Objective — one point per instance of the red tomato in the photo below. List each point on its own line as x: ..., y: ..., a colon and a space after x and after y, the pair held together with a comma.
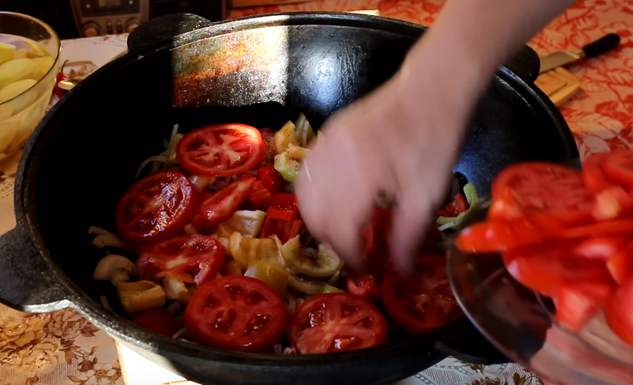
x: 611, y: 202
x: 224, y: 203
x: 618, y: 166
x: 619, y: 312
x: 271, y: 178
x: 501, y: 235
x: 155, y: 207
x: 425, y: 303
x: 545, y: 267
x: 199, y: 256
x: 158, y: 320
x: 601, y: 248
x: 593, y: 175
x: 221, y: 149
x: 579, y: 301
x: 456, y: 207
x: 605, y: 228
x: 336, y: 322
x: 543, y: 190
x: 366, y: 286
x: 620, y: 264
x: 236, y: 313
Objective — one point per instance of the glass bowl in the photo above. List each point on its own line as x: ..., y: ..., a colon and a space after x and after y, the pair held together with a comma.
x: 29, y: 61
x: 519, y: 323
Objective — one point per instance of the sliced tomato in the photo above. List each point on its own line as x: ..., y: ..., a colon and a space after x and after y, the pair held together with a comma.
x: 155, y: 207
x: 618, y: 312
x: 221, y: 149
x: 423, y: 303
x: 501, y: 235
x: 366, y: 286
x: 336, y: 322
x: 618, y: 167
x: 600, y: 248
x: 224, y: 203
x: 158, y: 320
x: 197, y: 257
x: 578, y: 302
x: 620, y: 264
x: 545, y: 267
x: 543, y: 190
x: 456, y: 207
x: 592, y: 174
x: 598, y: 229
x: 271, y: 178
x: 283, y: 207
x: 236, y: 313
x: 612, y: 202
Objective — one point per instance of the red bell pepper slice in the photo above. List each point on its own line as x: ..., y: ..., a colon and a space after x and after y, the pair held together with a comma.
x: 271, y: 179
x: 284, y: 230
x: 260, y: 198
x: 456, y: 207
x: 283, y: 207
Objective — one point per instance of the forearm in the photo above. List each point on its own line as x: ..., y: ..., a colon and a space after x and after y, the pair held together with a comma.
x: 472, y: 38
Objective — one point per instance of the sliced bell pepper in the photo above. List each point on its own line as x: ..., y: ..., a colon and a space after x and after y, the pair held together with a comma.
x: 287, y: 167
x: 456, y: 207
x: 261, y: 199
x: 271, y: 179
x: 283, y: 207
x: 284, y: 230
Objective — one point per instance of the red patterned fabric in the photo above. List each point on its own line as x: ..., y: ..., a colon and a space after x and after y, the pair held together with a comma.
x: 601, y: 114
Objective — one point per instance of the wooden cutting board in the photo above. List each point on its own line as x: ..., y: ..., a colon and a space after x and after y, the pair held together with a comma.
x: 559, y: 84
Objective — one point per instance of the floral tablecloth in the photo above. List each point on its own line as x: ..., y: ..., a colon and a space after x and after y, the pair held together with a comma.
x: 64, y: 348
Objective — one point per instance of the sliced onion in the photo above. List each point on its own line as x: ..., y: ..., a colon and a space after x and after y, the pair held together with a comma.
x: 106, y: 240
x: 100, y: 231
x: 156, y: 158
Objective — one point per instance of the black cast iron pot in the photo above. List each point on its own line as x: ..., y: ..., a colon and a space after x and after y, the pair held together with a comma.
x: 261, y: 71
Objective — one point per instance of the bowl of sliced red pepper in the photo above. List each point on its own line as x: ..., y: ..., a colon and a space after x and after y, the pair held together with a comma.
x: 545, y: 270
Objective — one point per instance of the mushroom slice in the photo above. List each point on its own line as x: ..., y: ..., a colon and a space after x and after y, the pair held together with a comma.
x: 322, y: 263
x: 306, y: 285
x: 140, y: 295
x: 114, y: 268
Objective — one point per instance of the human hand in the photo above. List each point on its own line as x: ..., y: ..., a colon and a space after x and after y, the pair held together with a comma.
x: 400, y: 141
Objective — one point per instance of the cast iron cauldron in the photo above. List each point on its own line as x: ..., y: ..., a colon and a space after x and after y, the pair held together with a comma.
x: 262, y: 71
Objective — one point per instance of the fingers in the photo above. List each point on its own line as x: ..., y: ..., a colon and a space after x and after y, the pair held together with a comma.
x: 335, y: 196
x: 410, y: 221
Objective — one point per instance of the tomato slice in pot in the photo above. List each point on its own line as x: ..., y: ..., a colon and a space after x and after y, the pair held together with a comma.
x: 336, y: 322
x: 221, y: 149
x: 198, y: 256
x: 614, y: 227
x: 366, y: 286
x: 618, y: 167
x: 612, y: 202
x: 224, y: 203
x: 456, y: 207
x: 620, y: 264
x: 540, y: 189
x: 600, y: 248
x: 158, y: 320
x: 425, y: 302
x: 155, y: 207
x: 236, y: 313
x: 544, y: 268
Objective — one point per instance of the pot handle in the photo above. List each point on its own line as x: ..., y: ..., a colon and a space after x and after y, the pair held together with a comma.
x: 26, y: 283
x: 526, y: 64
x: 463, y: 341
x: 164, y: 28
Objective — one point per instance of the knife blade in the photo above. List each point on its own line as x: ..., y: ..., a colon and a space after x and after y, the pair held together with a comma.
x: 561, y: 58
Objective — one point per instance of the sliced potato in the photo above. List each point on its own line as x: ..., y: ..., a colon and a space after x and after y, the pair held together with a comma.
x: 140, y: 295
x: 6, y: 52
x: 16, y: 70
x: 43, y: 64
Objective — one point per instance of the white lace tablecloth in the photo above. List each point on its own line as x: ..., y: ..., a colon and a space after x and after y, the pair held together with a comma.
x: 63, y: 348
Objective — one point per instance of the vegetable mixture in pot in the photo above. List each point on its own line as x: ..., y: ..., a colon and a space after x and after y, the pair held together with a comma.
x: 211, y: 248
